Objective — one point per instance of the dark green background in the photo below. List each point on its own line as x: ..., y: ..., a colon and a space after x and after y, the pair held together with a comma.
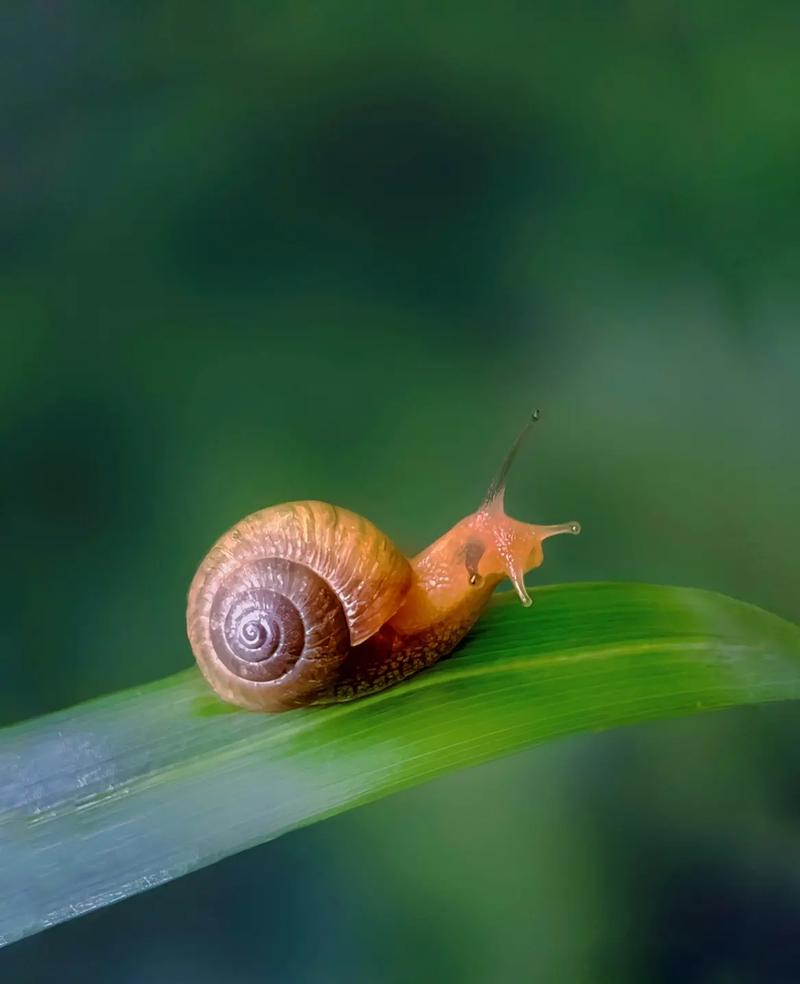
x: 255, y: 252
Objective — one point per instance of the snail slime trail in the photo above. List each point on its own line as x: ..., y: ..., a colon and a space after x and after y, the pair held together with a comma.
x: 308, y: 603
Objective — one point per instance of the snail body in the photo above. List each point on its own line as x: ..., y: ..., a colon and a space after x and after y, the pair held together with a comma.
x: 308, y: 603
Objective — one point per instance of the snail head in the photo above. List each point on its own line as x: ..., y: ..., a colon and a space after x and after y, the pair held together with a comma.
x: 498, y: 546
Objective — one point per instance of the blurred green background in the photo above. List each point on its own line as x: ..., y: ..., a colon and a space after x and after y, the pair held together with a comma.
x: 253, y: 253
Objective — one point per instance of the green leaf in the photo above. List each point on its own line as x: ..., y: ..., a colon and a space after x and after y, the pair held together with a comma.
x: 126, y: 792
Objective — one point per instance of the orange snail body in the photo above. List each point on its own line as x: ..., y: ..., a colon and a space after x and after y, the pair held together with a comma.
x: 308, y: 603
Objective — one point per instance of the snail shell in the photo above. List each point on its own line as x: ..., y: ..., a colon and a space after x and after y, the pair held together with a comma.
x: 284, y: 595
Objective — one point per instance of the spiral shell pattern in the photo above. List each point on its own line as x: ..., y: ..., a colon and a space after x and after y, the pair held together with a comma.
x: 281, y: 598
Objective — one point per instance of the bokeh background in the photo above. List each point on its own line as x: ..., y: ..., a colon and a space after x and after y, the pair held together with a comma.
x: 256, y: 252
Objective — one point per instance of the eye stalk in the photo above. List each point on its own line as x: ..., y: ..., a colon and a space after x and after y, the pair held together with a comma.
x: 497, y: 490
x: 502, y: 545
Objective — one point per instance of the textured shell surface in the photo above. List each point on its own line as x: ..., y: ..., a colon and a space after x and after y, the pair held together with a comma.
x: 370, y: 576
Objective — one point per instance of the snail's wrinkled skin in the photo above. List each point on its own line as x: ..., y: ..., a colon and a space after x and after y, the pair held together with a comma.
x: 308, y: 603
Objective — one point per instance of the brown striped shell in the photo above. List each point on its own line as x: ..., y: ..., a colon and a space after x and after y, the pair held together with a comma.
x: 282, y: 597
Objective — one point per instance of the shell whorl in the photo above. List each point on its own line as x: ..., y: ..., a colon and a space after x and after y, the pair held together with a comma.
x: 282, y: 597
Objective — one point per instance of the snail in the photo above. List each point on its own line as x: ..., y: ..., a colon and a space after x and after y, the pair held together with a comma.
x: 308, y: 603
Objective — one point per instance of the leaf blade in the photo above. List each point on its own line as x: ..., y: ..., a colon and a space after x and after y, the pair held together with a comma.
x: 122, y: 793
